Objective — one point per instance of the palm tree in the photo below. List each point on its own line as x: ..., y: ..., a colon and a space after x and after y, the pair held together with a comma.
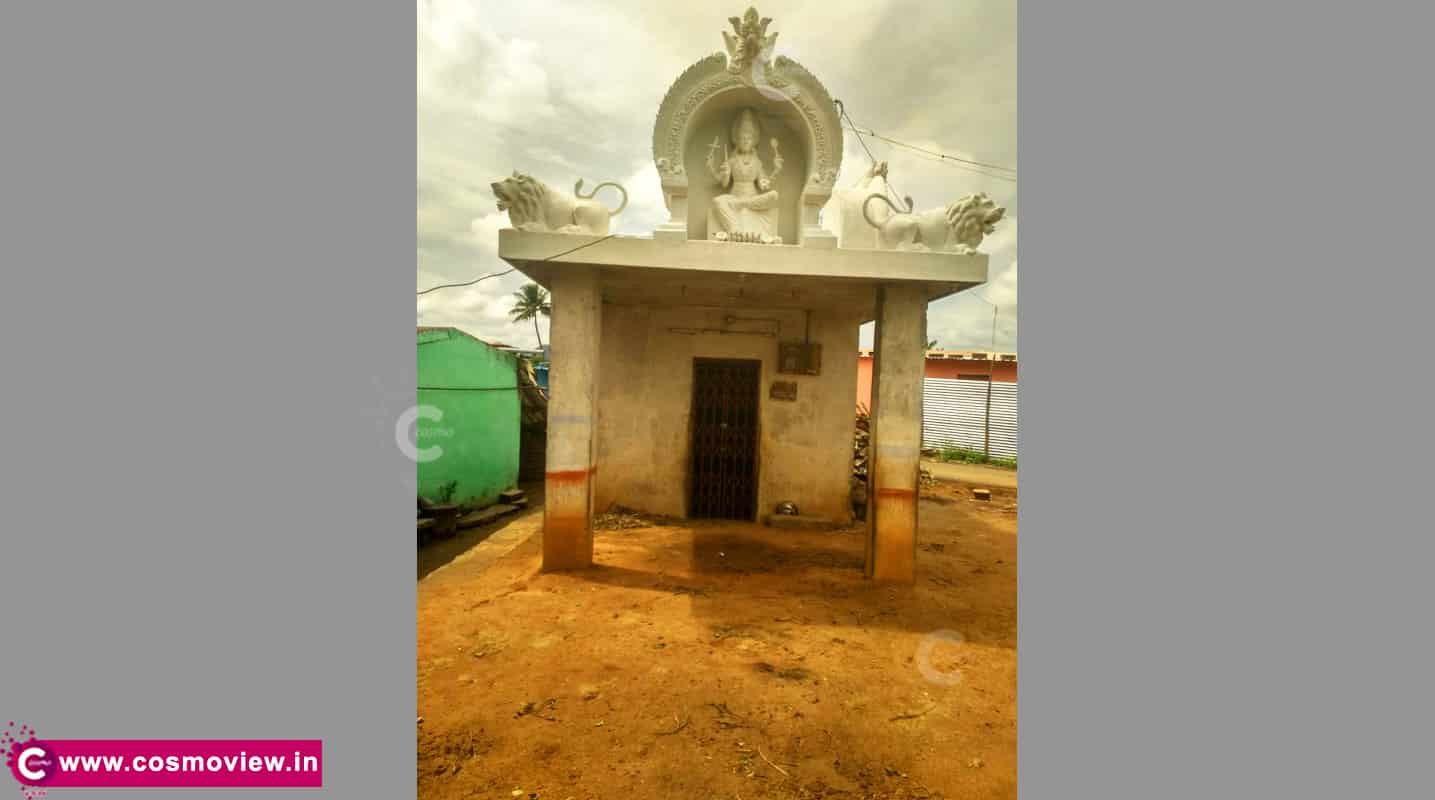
x: 528, y: 303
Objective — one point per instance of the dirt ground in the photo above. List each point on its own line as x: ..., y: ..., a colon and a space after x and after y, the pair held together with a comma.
x: 717, y: 661
x: 979, y: 474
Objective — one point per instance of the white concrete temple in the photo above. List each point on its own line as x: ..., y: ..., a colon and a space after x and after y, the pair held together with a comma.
x: 709, y: 369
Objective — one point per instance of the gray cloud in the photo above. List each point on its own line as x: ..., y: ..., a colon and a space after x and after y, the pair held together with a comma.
x: 565, y: 90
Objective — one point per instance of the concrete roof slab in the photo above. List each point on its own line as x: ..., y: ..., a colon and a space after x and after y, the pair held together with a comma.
x: 527, y: 250
x: 644, y: 270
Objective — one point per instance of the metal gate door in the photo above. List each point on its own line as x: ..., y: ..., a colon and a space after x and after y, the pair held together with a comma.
x: 723, y: 477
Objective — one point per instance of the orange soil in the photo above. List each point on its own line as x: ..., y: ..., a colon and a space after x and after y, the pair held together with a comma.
x: 726, y: 660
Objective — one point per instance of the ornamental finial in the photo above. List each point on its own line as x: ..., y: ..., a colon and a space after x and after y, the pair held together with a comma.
x: 749, y: 43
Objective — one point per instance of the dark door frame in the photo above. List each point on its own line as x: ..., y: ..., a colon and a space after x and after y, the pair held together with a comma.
x: 690, y: 483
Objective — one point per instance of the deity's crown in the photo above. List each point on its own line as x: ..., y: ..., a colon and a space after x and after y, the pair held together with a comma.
x: 746, y: 120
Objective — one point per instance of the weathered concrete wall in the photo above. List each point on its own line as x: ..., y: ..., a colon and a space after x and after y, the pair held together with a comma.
x: 645, y: 400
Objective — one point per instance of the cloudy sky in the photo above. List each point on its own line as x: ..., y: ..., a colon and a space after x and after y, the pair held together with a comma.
x: 564, y: 90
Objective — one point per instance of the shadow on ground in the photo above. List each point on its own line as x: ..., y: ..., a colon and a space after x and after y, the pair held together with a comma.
x: 723, y: 566
x: 725, y: 660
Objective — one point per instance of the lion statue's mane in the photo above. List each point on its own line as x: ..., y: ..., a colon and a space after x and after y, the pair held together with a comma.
x: 960, y: 226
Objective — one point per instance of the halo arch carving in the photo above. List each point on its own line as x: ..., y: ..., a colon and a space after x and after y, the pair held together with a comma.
x: 781, y: 87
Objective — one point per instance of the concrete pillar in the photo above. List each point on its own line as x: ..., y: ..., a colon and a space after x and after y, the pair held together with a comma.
x: 813, y: 234
x: 899, y: 361
x: 676, y: 228
x: 572, y: 410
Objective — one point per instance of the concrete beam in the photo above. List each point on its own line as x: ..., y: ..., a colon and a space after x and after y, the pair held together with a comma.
x: 896, y: 442
x: 541, y: 255
x: 572, y: 409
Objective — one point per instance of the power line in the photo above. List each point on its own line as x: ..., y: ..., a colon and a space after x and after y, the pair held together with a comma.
x: 466, y: 283
x: 978, y: 295
x: 943, y: 156
x: 949, y: 163
x: 512, y: 269
x: 964, y: 167
x: 842, y: 109
x: 977, y: 167
x: 886, y: 181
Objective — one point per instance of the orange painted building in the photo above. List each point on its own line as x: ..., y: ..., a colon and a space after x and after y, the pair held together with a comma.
x: 973, y: 365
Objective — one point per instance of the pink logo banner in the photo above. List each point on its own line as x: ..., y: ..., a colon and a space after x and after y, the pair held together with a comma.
x: 167, y: 763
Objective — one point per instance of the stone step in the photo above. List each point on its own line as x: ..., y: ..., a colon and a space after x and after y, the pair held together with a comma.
x: 800, y: 522
x: 485, y: 515
x: 443, y: 516
x: 510, y: 496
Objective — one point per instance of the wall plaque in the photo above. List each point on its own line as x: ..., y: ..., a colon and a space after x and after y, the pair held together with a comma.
x: 783, y: 390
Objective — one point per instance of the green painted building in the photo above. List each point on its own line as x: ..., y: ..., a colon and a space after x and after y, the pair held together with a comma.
x: 473, y: 445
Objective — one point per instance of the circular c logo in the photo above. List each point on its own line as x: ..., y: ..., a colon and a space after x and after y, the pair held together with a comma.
x: 35, y: 764
x: 925, y: 648
x: 401, y: 431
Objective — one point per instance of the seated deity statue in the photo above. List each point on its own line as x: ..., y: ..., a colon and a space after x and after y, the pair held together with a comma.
x: 747, y: 210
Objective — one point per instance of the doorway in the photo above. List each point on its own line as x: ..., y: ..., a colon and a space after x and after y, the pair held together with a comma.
x: 722, y: 478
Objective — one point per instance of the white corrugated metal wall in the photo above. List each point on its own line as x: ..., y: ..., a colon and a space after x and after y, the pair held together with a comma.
x: 953, y: 411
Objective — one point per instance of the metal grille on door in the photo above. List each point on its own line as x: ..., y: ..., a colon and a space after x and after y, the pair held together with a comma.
x: 724, y: 444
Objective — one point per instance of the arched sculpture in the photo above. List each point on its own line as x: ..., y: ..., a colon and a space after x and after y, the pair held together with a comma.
x: 958, y: 227
x: 533, y: 205
x: 747, y: 210
x: 792, y: 106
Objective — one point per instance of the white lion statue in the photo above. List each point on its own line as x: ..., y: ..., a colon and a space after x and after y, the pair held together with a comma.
x: 959, y: 227
x: 533, y: 205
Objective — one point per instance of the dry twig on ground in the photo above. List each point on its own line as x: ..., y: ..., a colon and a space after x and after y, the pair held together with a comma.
x: 913, y: 715
x: 769, y: 761
x: 725, y: 714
